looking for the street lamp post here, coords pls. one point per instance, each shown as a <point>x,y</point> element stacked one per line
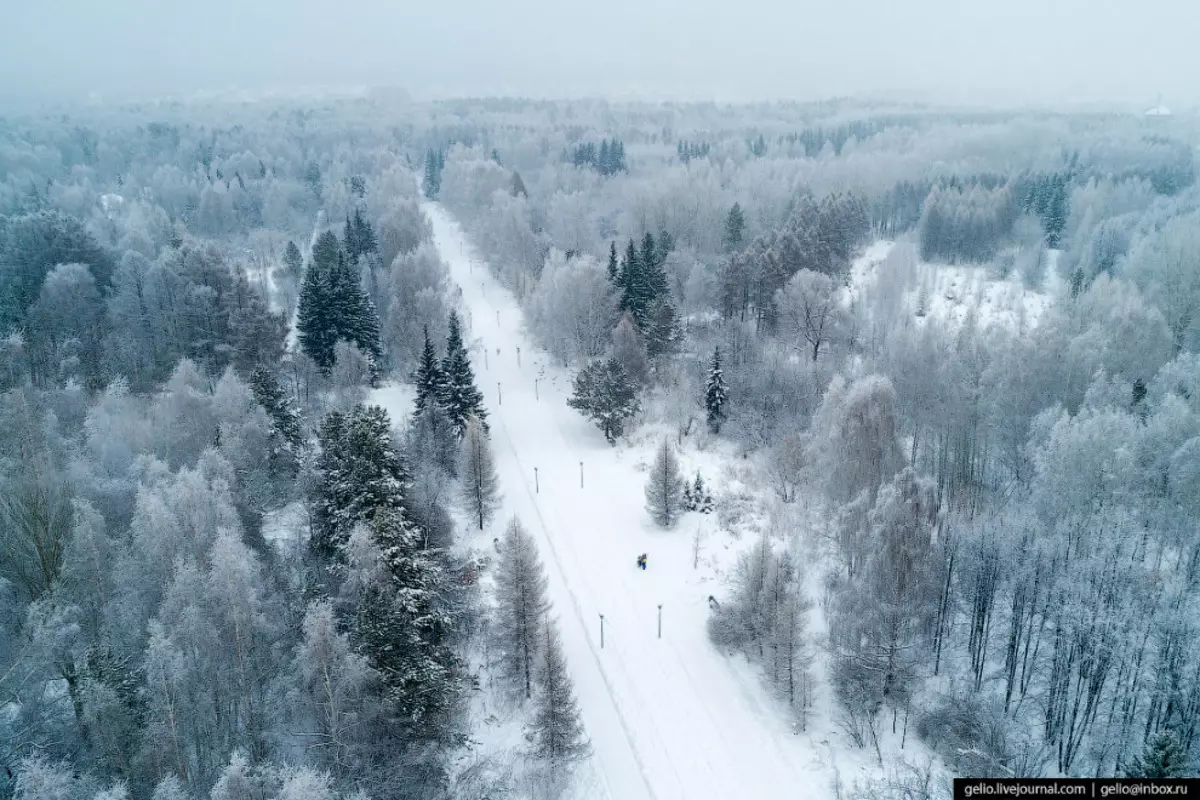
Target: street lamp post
<point>660,620</point>
<point>601,631</point>
<point>536,487</point>
<point>580,474</point>
<point>499,395</point>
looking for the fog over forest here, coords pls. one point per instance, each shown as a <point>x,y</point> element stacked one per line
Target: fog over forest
<point>638,402</point>
<point>1060,52</point>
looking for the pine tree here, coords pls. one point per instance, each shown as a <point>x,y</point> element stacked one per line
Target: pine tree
<point>735,229</point>
<point>521,585</point>
<point>605,165</point>
<point>689,501</point>
<point>359,474</point>
<point>1163,757</point>
<point>269,394</point>
<point>716,395</point>
<point>460,397</point>
<point>404,625</point>
<point>606,394</point>
<point>664,489</point>
<point>480,488</point>
<point>557,730</point>
<point>614,271</point>
<point>430,380</point>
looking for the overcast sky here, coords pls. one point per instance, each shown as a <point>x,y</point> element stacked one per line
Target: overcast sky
<point>1001,51</point>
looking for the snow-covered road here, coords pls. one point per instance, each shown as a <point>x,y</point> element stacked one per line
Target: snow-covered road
<point>667,717</point>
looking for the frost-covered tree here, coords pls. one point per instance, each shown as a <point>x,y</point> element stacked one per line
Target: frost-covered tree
<point>735,228</point>
<point>716,394</point>
<point>604,392</point>
<point>404,622</point>
<point>337,687</point>
<point>628,348</point>
<point>522,606</point>
<point>359,474</point>
<point>461,399</point>
<point>810,311</point>
<point>477,474</point>
<point>1163,757</point>
<point>558,733</point>
<point>664,487</point>
<point>429,379</point>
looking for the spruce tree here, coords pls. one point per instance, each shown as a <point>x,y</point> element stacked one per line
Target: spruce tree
<point>293,260</point>
<point>630,278</point>
<point>664,488</point>
<point>605,393</point>
<point>517,189</point>
<point>364,234</point>
<point>460,397</point>
<point>350,241</point>
<point>404,626</point>
<point>1163,757</point>
<point>614,271</point>
<point>359,474</point>
<point>315,319</point>
<point>269,394</point>
<point>557,730</point>
<point>430,380</point>
<point>354,316</point>
<point>477,473</point>
<point>664,332</point>
<point>735,229</point>
<point>716,395</point>
<point>521,585</point>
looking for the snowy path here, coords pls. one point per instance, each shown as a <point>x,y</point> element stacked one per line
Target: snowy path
<point>668,717</point>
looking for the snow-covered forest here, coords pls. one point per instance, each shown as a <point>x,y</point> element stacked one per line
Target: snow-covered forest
<point>333,431</point>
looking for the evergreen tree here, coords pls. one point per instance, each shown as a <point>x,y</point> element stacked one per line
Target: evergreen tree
<point>557,730</point>
<point>735,229</point>
<point>629,278</point>
<point>285,419</point>
<point>664,333</point>
<point>354,316</point>
<point>664,489</point>
<point>518,186</point>
<point>521,606</point>
<point>701,497</point>
<point>432,183</point>
<point>605,164</point>
<point>293,260</point>
<point>480,488</point>
<point>460,397</point>
<point>606,394</point>
<point>404,625</point>
<point>1163,757</point>
<point>716,396</point>
<point>430,380</point>
<point>316,316</point>
<point>614,270</point>
<point>359,474</point>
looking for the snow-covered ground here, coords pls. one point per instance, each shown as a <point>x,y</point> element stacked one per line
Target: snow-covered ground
<point>668,717</point>
<point>948,293</point>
